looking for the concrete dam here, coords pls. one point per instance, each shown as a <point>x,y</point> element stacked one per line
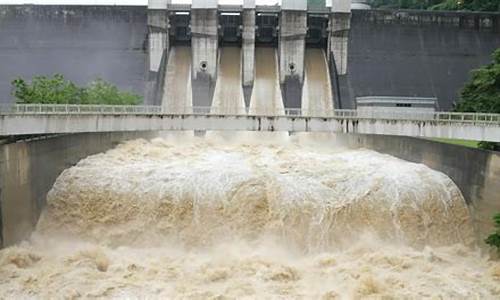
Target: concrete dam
<point>237,56</point>
<point>390,53</point>
<point>228,92</point>
<point>253,215</point>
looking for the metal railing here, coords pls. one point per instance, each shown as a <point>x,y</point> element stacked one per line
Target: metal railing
<point>46,109</point>
<point>70,109</point>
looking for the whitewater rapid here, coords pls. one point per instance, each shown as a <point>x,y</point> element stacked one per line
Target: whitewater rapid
<point>207,219</point>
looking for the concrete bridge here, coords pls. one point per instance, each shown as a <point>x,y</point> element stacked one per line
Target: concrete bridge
<point>31,119</point>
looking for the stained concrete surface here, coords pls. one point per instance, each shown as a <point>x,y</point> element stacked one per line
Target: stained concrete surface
<point>398,53</point>
<point>415,54</point>
<point>80,42</point>
<point>177,93</point>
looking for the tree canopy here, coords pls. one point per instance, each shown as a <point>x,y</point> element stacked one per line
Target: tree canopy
<point>472,5</point>
<point>494,238</point>
<point>58,90</point>
<point>482,93</point>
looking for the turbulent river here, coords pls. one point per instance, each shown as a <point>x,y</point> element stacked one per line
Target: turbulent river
<point>200,218</point>
<point>249,216</point>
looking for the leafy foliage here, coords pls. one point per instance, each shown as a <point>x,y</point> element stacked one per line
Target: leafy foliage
<point>102,92</point>
<point>482,94</point>
<point>55,90</point>
<point>494,238</point>
<point>472,5</point>
<point>405,4</point>
<point>58,90</point>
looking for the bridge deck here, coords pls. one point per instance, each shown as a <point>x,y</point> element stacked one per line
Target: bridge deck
<point>48,119</point>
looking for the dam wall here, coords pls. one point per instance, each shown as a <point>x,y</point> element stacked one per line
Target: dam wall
<point>416,53</point>
<point>475,172</point>
<point>390,53</point>
<point>28,170</point>
<point>80,42</point>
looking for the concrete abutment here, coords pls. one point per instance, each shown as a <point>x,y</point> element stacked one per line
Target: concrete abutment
<point>204,49</point>
<point>158,45</point>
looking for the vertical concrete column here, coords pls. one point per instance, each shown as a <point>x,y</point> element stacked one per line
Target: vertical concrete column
<point>204,46</point>
<point>338,37</point>
<point>157,49</point>
<point>291,45</point>
<point>248,48</point>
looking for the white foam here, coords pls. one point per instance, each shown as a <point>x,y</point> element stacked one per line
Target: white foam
<point>201,218</point>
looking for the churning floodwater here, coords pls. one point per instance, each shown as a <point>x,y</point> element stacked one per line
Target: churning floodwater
<point>199,218</point>
<point>252,216</point>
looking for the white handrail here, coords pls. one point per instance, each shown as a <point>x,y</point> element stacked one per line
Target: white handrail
<point>74,109</point>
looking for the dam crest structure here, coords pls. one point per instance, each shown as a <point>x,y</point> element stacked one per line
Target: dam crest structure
<point>284,39</point>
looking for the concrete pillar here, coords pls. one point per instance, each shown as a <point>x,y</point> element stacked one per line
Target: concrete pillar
<point>248,48</point>
<point>204,46</point>
<point>338,38</point>
<point>157,49</point>
<point>291,45</point>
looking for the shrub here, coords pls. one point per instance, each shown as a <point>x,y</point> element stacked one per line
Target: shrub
<point>58,90</point>
<point>102,92</point>
<point>482,93</point>
<point>54,90</point>
<point>494,238</point>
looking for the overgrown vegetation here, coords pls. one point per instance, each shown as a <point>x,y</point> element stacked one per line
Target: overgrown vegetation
<point>494,238</point>
<point>471,5</point>
<point>482,94</point>
<point>58,90</point>
<point>466,143</point>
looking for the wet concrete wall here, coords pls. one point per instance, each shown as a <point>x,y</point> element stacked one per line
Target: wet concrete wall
<point>475,172</point>
<point>416,53</point>
<point>28,170</point>
<point>80,42</point>
<point>391,53</point>
<point>204,49</point>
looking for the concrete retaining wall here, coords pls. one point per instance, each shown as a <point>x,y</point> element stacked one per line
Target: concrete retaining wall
<point>28,170</point>
<point>475,172</point>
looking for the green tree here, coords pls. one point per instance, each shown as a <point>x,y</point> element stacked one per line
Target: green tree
<point>481,5</point>
<point>46,90</point>
<point>58,90</point>
<point>482,93</point>
<point>102,92</point>
<point>472,5</point>
<point>448,5</point>
<point>494,238</point>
